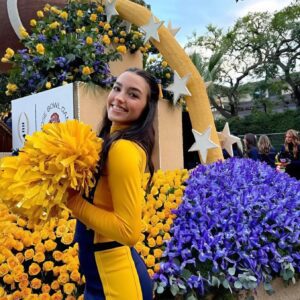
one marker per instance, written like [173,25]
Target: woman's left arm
[124,170]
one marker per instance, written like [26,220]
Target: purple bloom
[237,217]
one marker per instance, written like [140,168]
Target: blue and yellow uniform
[110,226]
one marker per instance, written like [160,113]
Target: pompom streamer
[61,156]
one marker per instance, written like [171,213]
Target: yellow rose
[68,238]
[154,231]
[64,15]
[17,295]
[166,227]
[89,40]
[34,269]
[54,25]
[36,283]
[116,40]
[56,271]
[57,296]
[8,279]
[50,245]
[9,53]
[63,278]
[79,13]
[75,276]
[48,85]
[156,267]
[145,250]
[164,64]
[11,87]
[20,257]
[93,17]
[12,262]
[23,284]
[19,246]
[46,288]
[2,291]
[85,71]
[154,191]
[106,39]
[26,292]
[166,236]
[57,255]
[32,22]
[39,257]
[168,75]
[122,49]
[70,297]
[19,277]
[150,261]
[18,269]
[44,296]
[40,14]
[106,26]
[150,272]
[122,40]
[40,49]
[154,220]
[28,254]
[100,9]
[55,285]
[138,246]
[48,265]
[151,242]
[4,60]
[69,288]
[157,253]
[159,241]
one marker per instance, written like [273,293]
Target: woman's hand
[71,199]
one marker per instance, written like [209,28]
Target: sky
[194,15]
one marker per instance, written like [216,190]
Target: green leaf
[225,284]
[186,274]
[160,290]
[231,271]
[174,289]
[238,284]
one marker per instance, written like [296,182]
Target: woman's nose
[120,97]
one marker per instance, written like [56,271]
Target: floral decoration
[164,196]
[39,261]
[71,44]
[238,226]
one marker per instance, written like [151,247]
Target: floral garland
[71,44]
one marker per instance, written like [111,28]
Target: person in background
[266,152]
[290,153]
[250,144]
[237,152]
[109,222]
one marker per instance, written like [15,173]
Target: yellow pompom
[60,156]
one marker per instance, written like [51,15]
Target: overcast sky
[195,15]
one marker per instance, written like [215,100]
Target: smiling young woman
[109,220]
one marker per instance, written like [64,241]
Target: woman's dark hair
[140,132]
[250,141]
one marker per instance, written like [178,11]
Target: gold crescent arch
[198,104]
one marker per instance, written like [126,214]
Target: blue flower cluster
[238,225]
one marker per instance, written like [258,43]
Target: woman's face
[127,99]
[288,138]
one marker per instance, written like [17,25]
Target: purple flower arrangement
[238,226]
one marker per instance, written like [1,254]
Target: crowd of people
[288,158]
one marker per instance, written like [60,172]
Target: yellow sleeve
[125,167]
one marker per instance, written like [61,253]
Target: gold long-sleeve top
[115,214]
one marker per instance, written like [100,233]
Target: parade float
[224,230]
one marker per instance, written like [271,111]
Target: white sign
[30,113]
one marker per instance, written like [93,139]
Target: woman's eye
[133,95]
[116,88]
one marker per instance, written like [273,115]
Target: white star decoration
[127,25]
[203,143]
[110,9]
[151,29]
[227,139]
[178,87]
[173,30]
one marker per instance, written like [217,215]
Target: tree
[243,50]
[284,55]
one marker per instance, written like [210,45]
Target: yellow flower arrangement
[165,196]
[60,156]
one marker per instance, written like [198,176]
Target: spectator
[266,151]
[250,144]
[290,153]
